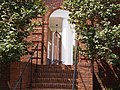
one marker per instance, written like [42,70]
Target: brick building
[55,40]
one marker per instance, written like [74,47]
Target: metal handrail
[21,75]
[75,69]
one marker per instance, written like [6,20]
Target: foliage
[97,23]
[15,26]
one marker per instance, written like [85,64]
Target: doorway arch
[63,49]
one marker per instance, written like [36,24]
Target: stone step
[52,80]
[52,86]
[69,67]
[53,75]
[56,70]
[46,89]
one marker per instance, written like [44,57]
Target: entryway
[60,39]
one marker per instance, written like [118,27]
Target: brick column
[16,69]
[46,29]
[85,75]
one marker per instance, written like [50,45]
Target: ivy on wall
[15,26]
[98,25]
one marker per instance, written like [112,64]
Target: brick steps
[53,77]
[56,66]
[51,85]
[46,89]
[55,70]
[53,80]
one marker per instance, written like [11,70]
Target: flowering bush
[15,26]
[97,23]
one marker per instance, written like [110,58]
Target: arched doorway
[60,39]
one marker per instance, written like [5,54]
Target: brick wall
[85,75]
[53,4]
[15,70]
